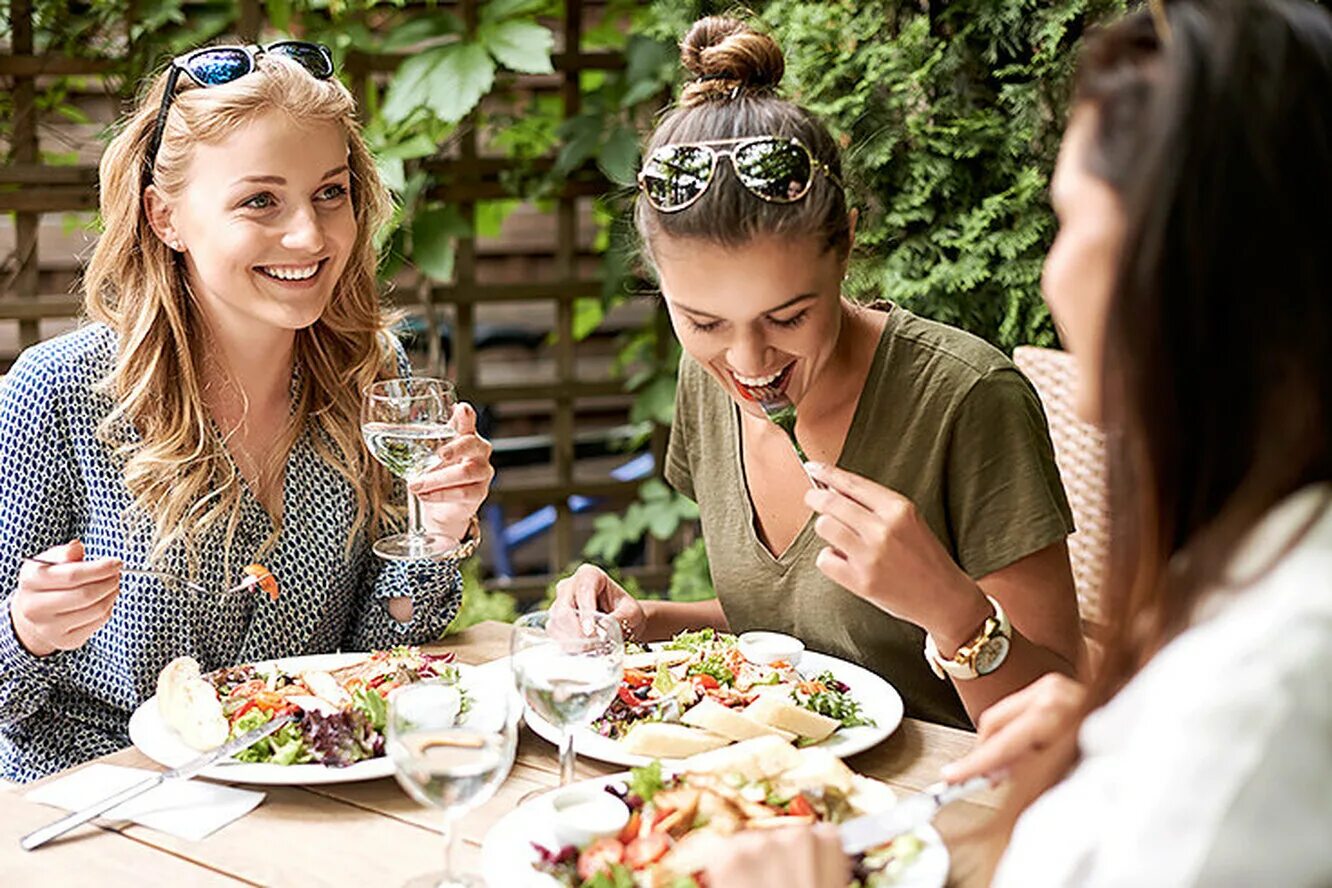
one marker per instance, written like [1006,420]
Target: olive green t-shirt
[945,420]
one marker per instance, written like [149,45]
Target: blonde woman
[207,416]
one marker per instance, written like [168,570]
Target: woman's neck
[840,382]
[252,365]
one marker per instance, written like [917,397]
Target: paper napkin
[188,809]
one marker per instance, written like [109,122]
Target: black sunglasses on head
[217,65]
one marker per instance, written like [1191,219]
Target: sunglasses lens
[774,170]
[308,55]
[214,67]
[675,175]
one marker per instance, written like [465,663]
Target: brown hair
[733,95]
[1219,142]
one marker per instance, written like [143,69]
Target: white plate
[878,700]
[164,746]
[507,855]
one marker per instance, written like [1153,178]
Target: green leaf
[433,233]
[581,135]
[421,29]
[391,170]
[655,401]
[618,156]
[449,80]
[519,46]
[496,10]
[279,13]
[587,316]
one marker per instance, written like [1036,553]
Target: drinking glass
[567,668]
[447,761]
[404,423]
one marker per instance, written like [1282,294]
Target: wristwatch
[980,656]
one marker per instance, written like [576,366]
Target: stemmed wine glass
[404,423]
[568,668]
[450,761]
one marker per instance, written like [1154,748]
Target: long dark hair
[1217,134]
[736,71]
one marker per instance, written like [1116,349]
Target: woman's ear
[161,218]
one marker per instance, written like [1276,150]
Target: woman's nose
[748,354]
[304,232]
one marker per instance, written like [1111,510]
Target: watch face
[991,655]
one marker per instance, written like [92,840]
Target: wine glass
[568,668]
[404,423]
[450,761]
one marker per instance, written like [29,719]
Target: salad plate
[714,684]
[521,850]
[351,744]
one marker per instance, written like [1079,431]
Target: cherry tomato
[627,697]
[800,807]
[707,681]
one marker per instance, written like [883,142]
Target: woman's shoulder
[940,349]
[68,364]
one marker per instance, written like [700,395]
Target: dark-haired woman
[945,567]
[1194,289]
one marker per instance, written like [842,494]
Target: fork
[196,588]
[782,413]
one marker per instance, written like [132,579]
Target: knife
[40,837]
[862,833]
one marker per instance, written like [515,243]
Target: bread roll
[189,705]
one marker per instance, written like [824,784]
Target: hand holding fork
[62,599]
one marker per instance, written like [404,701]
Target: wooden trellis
[31,293]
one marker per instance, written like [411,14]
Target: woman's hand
[1025,726]
[810,857]
[881,549]
[589,590]
[58,608]
[451,492]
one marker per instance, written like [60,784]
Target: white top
[1213,766]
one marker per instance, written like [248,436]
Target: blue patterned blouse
[58,482]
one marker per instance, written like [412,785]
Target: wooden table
[371,833]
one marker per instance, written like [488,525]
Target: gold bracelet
[467,546]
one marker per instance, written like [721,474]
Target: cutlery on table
[39,837]
[862,833]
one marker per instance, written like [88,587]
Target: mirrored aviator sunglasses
[773,169]
[219,65]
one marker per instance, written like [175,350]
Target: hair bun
[723,53]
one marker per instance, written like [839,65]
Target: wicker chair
[1080,454]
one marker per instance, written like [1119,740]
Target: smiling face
[266,222]
[1079,274]
[764,315]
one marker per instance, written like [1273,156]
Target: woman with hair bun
[209,415]
[1200,753]
[932,548]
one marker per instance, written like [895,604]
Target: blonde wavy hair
[175,463]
